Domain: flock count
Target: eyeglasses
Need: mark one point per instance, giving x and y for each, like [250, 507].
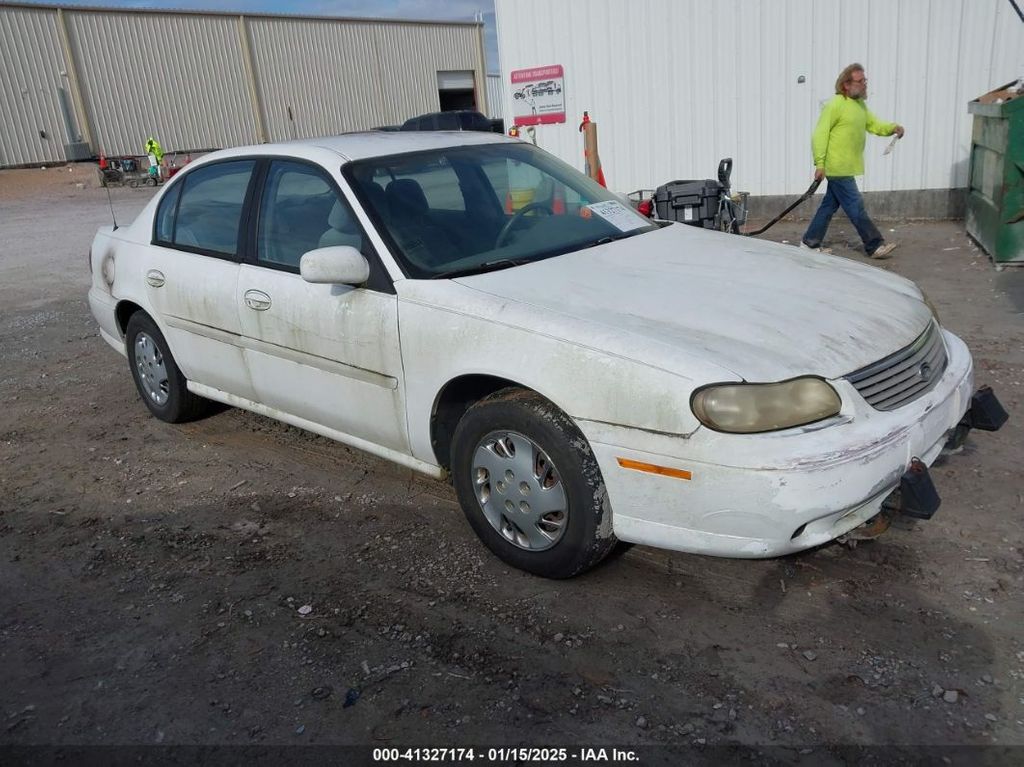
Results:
[863, 80]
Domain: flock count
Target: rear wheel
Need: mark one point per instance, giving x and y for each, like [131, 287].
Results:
[161, 385]
[530, 485]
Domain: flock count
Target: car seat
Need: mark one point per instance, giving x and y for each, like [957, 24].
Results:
[405, 195]
[344, 229]
[424, 242]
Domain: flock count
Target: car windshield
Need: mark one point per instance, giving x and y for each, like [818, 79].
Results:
[465, 210]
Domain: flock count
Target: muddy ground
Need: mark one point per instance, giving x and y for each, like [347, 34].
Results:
[155, 578]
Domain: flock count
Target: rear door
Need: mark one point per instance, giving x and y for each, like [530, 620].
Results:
[191, 272]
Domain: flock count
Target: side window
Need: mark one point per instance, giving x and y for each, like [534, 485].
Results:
[165, 215]
[300, 211]
[210, 210]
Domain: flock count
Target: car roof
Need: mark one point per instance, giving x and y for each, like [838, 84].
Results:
[361, 146]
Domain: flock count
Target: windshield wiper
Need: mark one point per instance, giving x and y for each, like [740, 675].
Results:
[605, 240]
[486, 266]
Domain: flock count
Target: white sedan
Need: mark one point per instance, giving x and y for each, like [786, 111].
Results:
[468, 306]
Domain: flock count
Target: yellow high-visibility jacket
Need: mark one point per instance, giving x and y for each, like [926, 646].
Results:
[838, 139]
[153, 148]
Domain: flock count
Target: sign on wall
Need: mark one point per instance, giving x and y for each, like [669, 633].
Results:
[538, 95]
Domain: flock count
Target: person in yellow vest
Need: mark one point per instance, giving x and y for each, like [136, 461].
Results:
[155, 153]
[838, 148]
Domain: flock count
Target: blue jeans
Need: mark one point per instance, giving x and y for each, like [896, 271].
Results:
[842, 193]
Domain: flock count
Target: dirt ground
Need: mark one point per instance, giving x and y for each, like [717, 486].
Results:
[156, 578]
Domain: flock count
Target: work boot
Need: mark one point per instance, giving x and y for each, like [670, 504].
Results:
[884, 250]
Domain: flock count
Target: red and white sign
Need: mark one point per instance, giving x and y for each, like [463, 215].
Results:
[538, 95]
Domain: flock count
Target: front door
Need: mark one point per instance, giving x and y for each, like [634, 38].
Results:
[328, 354]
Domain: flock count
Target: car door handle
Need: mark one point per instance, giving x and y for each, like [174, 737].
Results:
[257, 300]
[155, 278]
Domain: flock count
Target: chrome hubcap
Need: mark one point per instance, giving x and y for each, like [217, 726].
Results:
[519, 490]
[149, 362]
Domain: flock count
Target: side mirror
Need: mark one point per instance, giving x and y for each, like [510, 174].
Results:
[335, 265]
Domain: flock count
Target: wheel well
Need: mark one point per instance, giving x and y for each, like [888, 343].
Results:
[457, 396]
[123, 313]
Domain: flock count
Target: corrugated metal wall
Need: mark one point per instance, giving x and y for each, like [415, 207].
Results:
[185, 77]
[674, 85]
[496, 96]
[180, 78]
[31, 64]
[363, 74]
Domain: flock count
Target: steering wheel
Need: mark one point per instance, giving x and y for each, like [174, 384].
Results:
[516, 218]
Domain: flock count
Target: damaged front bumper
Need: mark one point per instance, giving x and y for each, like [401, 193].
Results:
[916, 497]
[773, 494]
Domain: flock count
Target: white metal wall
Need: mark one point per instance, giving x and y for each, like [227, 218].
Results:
[496, 96]
[31, 63]
[674, 85]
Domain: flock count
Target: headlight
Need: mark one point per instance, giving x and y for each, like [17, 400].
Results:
[749, 408]
[930, 305]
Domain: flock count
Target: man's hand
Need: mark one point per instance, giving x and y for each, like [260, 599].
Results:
[898, 131]
[819, 173]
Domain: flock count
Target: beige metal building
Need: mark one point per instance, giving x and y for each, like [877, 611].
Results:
[76, 81]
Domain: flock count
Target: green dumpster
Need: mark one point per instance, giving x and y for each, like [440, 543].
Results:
[995, 197]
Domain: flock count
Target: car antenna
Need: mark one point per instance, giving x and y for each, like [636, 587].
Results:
[110, 202]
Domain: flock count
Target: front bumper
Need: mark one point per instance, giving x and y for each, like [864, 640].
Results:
[766, 495]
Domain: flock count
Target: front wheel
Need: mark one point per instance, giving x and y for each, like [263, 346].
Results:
[530, 485]
[161, 385]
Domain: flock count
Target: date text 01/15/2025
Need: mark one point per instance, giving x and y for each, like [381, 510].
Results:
[503, 755]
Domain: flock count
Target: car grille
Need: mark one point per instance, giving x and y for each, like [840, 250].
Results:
[904, 376]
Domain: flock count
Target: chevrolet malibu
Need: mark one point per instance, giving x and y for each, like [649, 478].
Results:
[468, 306]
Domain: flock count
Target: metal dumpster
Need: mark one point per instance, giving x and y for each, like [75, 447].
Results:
[995, 196]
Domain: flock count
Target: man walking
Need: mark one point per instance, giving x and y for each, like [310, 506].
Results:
[838, 147]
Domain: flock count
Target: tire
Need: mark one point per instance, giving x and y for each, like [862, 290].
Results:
[495, 490]
[157, 377]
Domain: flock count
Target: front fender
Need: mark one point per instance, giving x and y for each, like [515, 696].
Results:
[586, 383]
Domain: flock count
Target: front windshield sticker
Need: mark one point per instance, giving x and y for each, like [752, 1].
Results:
[618, 215]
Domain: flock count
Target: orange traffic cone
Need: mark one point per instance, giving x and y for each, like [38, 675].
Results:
[103, 161]
[558, 200]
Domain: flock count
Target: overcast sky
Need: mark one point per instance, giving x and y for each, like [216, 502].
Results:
[457, 10]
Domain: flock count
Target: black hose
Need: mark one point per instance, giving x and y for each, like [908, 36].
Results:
[806, 195]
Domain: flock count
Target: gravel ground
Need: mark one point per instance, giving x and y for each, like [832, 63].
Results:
[238, 581]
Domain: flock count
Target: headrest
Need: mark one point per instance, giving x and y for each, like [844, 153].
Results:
[408, 194]
[341, 218]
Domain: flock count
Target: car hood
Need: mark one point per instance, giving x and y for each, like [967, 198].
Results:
[764, 311]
